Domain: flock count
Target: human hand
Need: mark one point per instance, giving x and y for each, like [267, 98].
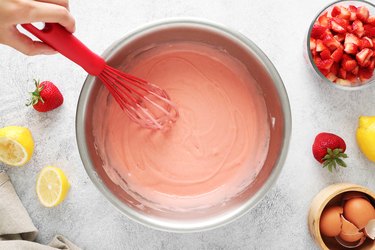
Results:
[13, 12]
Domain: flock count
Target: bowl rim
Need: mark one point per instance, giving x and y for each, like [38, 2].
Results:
[309, 55]
[218, 221]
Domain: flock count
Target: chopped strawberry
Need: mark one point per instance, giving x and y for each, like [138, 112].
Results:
[324, 64]
[365, 74]
[324, 20]
[353, 12]
[366, 43]
[369, 30]
[325, 54]
[331, 42]
[351, 38]
[312, 43]
[351, 48]
[358, 28]
[332, 77]
[362, 13]
[372, 64]
[371, 20]
[351, 78]
[337, 54]
[363, 57]
[339, 37]
[320, 46]
[336, 11]
[334, 68]
[342, 73]
[355, 71]
[344, 13]
[324, 71]
[349, 65]
[343, 82]
[336, 27]
[318, 31]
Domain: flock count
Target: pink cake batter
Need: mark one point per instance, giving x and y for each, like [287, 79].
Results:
[214, 150]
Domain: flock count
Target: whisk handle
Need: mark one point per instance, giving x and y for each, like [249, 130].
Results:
[68, 45]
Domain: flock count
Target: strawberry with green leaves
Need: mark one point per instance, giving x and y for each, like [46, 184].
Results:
[45, 97]
[329, 149]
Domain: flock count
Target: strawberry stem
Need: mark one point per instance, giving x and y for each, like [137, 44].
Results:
[35, 95]
[333, 158]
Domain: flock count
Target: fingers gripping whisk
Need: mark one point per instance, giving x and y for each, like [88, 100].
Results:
[145, 103]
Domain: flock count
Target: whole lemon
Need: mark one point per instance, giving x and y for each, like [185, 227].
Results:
[366, 136]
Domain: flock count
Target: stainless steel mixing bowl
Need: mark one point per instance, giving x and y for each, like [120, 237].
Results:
[276, 100]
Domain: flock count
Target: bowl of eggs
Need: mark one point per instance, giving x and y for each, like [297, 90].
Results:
[342, 216]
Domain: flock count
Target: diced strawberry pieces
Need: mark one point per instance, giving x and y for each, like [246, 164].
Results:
[365, 74]
[353, 39]
[366, 43]
[358, 28]
[343, 82]
[320, 45]
[324, 64]
[337, 27]
[342, 73]
[336, 11]
[325, 54]
[353, 12]
[369, 30]
[371, 20]
[355, 71]
[324, 20]
[351, 78]
[342, 44]
[324, 71]
[337, 54]
[363, 57]
[340, 21]
[318, 31]
[344, 13]
[330, 76]
[340, 37]
[331, 42]
[351, 48]
[334, 68]
[312, 43]
[362, 13]
[349, 65]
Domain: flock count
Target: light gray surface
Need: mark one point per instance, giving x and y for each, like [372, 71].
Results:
[278, 221]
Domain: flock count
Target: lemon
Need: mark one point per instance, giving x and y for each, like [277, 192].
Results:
[366, 136]
[16, 145]
[52, 186]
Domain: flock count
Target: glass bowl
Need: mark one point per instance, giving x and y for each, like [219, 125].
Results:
[322, 78]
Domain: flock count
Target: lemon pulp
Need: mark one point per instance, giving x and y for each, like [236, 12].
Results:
[16, 145]
[52, 186]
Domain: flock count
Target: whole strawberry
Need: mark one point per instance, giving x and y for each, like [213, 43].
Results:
[329, 149]
[45, 97]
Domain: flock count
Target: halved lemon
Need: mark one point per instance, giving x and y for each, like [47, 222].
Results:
[52, 186]
[16, 145]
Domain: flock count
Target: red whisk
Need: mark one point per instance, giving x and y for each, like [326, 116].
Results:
[145, 103]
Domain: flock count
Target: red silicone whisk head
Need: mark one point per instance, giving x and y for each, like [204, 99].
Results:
[145, 103]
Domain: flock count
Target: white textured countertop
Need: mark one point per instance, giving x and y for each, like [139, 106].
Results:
[278, 221]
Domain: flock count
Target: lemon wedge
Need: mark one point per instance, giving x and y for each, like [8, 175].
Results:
[366, 136]
[16, 145]
[52, 186]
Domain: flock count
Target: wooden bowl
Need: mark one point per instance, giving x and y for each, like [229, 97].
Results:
[332, 195]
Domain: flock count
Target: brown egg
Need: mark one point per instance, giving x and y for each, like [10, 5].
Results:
[359, 211]
[330, 221]
[349, 232]
[353, 194]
